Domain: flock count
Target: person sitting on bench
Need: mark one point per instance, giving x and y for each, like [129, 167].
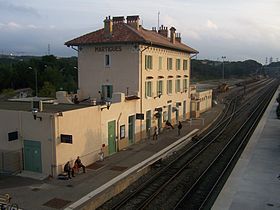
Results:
[78, 164]
[68, 170]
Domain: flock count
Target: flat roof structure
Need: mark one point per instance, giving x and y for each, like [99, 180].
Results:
[47, 107]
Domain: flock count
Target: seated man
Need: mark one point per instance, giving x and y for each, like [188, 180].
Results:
[68, 170]
[78, 164]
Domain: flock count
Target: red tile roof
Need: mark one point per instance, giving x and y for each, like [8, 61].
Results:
[123, 33]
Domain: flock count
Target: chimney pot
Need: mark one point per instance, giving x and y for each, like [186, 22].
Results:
[133, 21]
[178, 37]
[118, 19]
[108, 27]
[172, 34]
[163, 31]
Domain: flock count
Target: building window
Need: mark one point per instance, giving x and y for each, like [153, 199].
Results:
[178, 86]
[178, 64]
[107, 92]
[185, 65]
[160, 63]
[169, 86]
[185, 85]
[169, 63]
[165, 116]
[148, 62]
[148, 89]
[107, 60]
[159, 87]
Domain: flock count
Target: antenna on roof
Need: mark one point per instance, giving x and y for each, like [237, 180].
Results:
[158, 19]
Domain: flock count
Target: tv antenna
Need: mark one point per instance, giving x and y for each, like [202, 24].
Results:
[158, 19]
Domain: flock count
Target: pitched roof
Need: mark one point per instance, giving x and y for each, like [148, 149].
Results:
[124, 33]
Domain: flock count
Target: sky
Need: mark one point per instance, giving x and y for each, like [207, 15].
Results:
[238, 30]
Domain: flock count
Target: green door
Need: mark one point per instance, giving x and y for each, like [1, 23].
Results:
[32, 156]
[112, 136]
[148, 123]
[159, 121]
[184, 110]
[169, 113]
[131, 129]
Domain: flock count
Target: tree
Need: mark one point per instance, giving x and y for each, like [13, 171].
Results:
[48, 90]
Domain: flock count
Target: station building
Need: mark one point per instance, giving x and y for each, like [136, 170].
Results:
[130, 80]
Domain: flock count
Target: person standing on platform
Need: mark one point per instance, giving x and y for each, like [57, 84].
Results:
[179, 128]
[155, 136]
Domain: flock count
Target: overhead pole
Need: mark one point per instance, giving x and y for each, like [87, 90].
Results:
[158, 19]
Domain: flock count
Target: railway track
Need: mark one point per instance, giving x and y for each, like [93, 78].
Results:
[191, 178]
[199, 194]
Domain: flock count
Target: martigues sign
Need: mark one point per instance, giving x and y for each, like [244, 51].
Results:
[108, 49]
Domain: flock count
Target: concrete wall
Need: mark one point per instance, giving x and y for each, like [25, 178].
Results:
[28, 129]
[122, 73]
[205, 100]
[89, 129]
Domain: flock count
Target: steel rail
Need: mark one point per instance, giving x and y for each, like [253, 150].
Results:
[260, 105]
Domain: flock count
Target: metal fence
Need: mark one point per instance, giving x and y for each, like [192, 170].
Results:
[10, 161]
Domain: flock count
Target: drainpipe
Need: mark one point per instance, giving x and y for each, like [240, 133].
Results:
[21, 141]
[118, 132]
[141, 86]
[54, 124]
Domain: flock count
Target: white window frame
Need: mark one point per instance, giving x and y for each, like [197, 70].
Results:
[169, 88]
[148, 89]
[109, 60]
[169, 64]
[178, 64]
[160, 63]
[159, 88]
[185, 85]
[185, 64]
[178, 85]
[148, 62]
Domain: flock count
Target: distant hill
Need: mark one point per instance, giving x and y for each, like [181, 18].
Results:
[207, 69]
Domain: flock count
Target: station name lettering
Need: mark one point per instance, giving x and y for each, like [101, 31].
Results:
[108, 49]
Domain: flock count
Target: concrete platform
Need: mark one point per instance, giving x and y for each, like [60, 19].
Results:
[102, 179]
[254, 184]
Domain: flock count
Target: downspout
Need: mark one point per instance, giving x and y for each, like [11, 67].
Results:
[53, 123]
[141, 87]
[118, 133]
[21, 141]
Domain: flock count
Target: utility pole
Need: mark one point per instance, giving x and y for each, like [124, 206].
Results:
[158, 19]
[223, 58]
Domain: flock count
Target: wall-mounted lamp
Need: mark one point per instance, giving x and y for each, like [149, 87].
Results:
[34, 113]
[59, 114]
[108, 104]
[158, 96]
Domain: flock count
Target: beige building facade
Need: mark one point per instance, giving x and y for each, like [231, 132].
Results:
[130, 80]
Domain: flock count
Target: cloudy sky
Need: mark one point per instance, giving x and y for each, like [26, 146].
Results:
[239, 29]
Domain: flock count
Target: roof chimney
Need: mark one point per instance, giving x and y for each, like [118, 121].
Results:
[133, 21]
[163, 31]
[119, 19]
[108, 27]
[172, 34]
[178, 37]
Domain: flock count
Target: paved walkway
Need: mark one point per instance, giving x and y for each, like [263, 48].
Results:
[34, 194]
[254, 184]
